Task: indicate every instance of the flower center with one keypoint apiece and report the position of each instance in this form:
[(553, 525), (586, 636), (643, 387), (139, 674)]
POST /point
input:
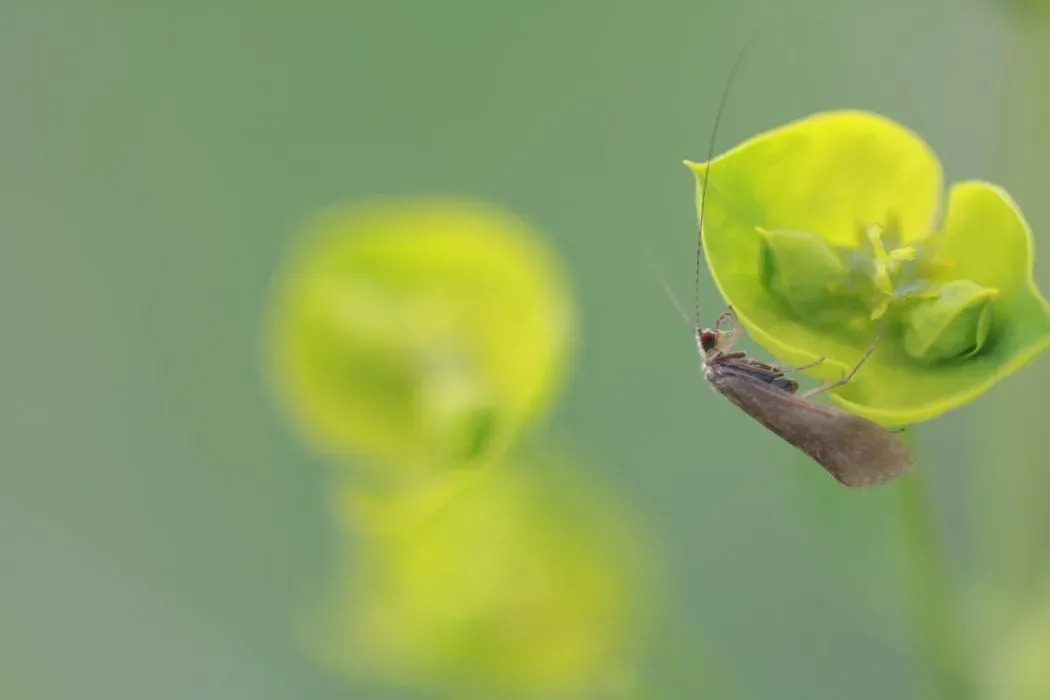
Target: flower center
[(883, 272)]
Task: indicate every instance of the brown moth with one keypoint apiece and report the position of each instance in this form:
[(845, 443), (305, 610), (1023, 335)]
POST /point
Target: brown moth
[(854, 450)]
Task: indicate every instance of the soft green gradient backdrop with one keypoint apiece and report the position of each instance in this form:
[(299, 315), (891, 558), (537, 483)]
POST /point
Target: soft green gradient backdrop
[(161, 527)]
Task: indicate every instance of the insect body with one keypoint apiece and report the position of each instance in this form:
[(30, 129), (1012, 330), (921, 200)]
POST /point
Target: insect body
[(855, 451)]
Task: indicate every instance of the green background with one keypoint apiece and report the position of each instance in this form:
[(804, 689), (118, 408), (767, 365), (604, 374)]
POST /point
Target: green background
[(161, 527)]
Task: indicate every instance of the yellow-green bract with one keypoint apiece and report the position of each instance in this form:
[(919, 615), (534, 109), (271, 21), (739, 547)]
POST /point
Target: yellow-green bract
[(826, 230), (516, 581), (419, 333)]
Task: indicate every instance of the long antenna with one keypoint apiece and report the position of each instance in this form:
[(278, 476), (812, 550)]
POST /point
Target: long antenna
[(711, 154), (667, 290)]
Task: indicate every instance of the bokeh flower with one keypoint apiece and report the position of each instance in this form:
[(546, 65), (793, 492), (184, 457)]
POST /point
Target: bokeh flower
[(520, 580), (419, 332)]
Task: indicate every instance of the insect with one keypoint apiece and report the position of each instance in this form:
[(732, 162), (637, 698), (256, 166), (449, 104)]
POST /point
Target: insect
[(855, 451)]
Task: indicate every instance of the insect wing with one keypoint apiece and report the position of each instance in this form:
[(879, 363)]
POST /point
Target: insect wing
[(855, 451)]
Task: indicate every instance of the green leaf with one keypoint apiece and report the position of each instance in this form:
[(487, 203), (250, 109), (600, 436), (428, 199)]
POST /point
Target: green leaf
[(419, 332), (832, 175)]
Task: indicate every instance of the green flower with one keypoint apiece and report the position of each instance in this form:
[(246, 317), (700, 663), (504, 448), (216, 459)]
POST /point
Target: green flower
[(419, 333), (517, 581), (825, 232)]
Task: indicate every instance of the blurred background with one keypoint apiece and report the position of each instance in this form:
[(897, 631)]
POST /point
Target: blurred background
[(169, 529)]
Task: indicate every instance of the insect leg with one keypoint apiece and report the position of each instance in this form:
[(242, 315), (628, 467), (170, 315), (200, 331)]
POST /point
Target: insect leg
[(728, 316), (723, 357), (845, 380), (727, 340), (785, 370), (728, 337)]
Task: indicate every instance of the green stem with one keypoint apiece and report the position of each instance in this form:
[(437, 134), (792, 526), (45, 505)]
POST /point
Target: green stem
[(933, 605)]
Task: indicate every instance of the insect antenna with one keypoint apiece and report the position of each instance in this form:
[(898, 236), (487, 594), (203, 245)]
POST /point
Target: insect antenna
[(707, 174), (668, 291)]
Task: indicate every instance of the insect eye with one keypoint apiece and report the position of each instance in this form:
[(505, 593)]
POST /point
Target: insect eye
[(708, 339)]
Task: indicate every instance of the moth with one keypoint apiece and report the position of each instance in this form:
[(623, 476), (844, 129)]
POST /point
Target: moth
[(855, 451)]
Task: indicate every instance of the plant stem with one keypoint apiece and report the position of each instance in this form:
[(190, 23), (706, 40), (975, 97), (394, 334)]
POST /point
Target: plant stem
[(933, 605)]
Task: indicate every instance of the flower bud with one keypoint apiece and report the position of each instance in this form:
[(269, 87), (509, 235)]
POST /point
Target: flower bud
[(953, 325), (801, 268)]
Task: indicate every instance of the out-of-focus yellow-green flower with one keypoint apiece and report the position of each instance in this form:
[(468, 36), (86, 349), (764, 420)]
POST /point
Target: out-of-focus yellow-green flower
[(513, 580), (419, 332), (823, 233)]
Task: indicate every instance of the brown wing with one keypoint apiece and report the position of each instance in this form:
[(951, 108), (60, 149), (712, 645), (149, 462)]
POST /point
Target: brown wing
[(855, 451)]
